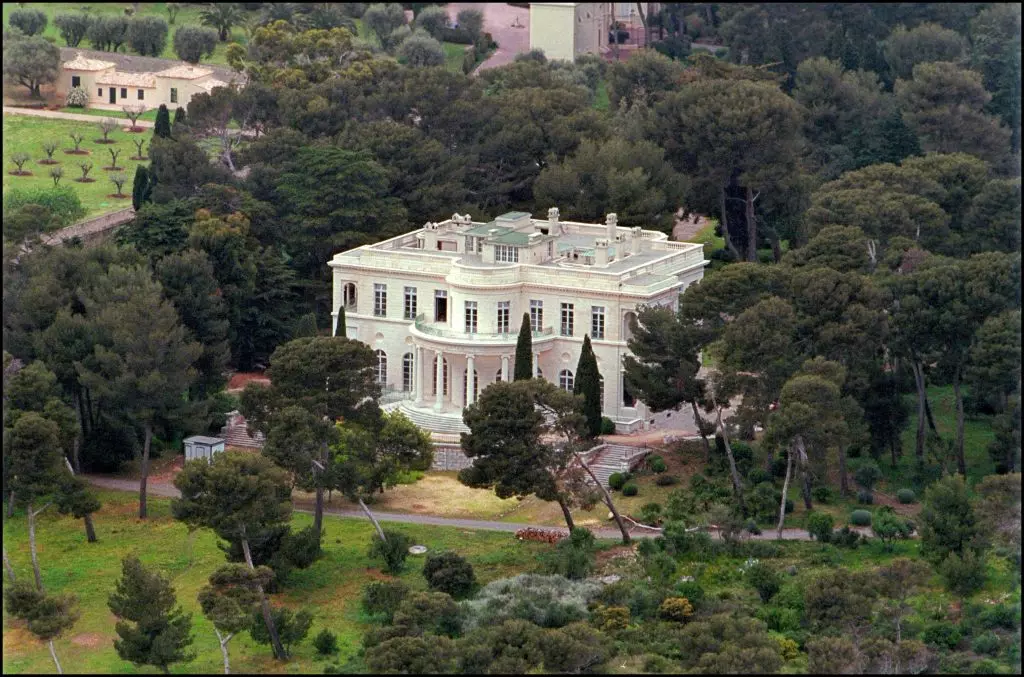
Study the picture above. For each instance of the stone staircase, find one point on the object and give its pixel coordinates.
(606, 459)
(236, 434)
(444, 424)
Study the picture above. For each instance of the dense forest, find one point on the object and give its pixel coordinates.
(862, 162)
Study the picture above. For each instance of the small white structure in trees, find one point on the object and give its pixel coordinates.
(200, 446)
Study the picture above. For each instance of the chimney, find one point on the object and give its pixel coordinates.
(430, 236)
(600, 252)
(638, 236)
(553, 227)
(612, 221)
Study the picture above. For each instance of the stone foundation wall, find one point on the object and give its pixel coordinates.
(449, 457)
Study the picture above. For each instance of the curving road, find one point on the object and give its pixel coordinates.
(169, 491)
(499, 18)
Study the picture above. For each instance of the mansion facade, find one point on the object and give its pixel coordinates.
(442, 306)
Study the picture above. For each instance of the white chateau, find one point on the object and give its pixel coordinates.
(442, 306)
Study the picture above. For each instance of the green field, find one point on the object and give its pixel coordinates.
(149, 115)
(331, 588)
(188, 16)
(23, 133)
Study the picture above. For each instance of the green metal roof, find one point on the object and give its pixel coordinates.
(513, 216)
(513, 238)
(485, 228)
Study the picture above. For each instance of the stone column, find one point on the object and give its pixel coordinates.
(417, 375)
(470, 381)
(439, 398)
(536, 359)
(504, 368)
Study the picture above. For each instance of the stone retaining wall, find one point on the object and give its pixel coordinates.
(449, 457)
(91, 229)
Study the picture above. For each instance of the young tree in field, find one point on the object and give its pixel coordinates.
(237, 496)
(147, 35)
(34, 468)
(153, 629)
(329, 378)
(139, 143)
(949, 524)
(523, 366)
(114, 153)
(19, 159)
(47, 616)
(144, 365)
(56, 173)
(106, 126)
(49, 147)
(85, 167)
(588, 384)
(663, 373)
(118, 179)
(162, 127)
(366, 464)
(231, 600)
(77, 138)
(31, 61)
(172, 11)
(133, 112)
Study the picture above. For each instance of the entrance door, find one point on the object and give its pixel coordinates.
(113, 95)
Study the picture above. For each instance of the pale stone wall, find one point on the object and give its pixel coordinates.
(552, 29)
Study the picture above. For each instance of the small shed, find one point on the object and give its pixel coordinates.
(200, 446)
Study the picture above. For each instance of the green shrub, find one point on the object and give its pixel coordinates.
(630, 489)
(823, 495)
(861, 518)
(607, 426)
(383, 598)
(987, 643)
(572, 557)
(666, 480)
(610, 618)
(650, 513)
(325, 643)
(758, 475)
(751, 526)
(867, 475)
(987, 666)
(789, 505)
(692, 591)
(779, 619)
(865, 497)
(547, 601)
(1006, 616)
(393, 551)
(657, 464)
(616, 481)
(942, 634)
(819, 526)
(765, 580)
(62, 201)
(450, 573)
(675, 609)
(847, 537)
(906, 496)
(963, 574)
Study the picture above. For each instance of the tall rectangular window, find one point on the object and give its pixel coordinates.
(567, 319)
(504, 253)
(410, 303)
(174, 95)
(380, 300)
(440, 305)
(470, 317)
(140, 95)
(124, 92)
(536, 315)
(597, 322)
(504, 313)
(76, 81)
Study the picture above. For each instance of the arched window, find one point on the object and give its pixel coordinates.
(627, 332)
(382, 368)
(348, 293)
(565, 380)
(465, 386)
(408, 362)
(444, 368)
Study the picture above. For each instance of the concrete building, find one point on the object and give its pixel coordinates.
(565, 30)
(109, 87)
(442, 306)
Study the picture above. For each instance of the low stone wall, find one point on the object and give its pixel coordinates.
(91, 229)
(449, 457)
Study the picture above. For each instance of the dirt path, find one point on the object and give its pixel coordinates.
(80, 117)
(685, 229)
(167, 490)
(499, 19)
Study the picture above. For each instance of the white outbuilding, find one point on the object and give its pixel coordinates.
(200, 446)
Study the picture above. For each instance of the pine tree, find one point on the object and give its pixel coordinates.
(161, 630)
(162, 128)
(47, 616)
(342, 328)
(140, 188)
(588, 384)
(524, 352)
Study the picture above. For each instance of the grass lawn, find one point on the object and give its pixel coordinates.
(331, 587)
(149, 115)
(188, 16)
(23, 133)
(601, 100)
(453, 56)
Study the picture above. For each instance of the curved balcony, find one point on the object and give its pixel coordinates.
(441, 334)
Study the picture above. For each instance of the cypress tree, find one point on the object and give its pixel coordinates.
(524, 352)
(588, 384)
(162, 128)
(140, 189)
(342, 329)
(179, 115)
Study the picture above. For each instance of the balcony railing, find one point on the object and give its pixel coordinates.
(503, 337)
(391, 394)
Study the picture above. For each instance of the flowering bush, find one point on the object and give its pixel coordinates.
(541, 535)
(77, 98)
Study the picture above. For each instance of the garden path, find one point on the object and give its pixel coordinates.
(80, 117)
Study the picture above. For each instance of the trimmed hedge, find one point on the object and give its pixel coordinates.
(617, 480)
(906, 496)
(658, 465)
(861, 518)
(666, 480)
(630, 489)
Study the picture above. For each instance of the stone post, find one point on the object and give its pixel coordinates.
(470, 381)
(439, 397)
(417, 375)
(504, 368)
